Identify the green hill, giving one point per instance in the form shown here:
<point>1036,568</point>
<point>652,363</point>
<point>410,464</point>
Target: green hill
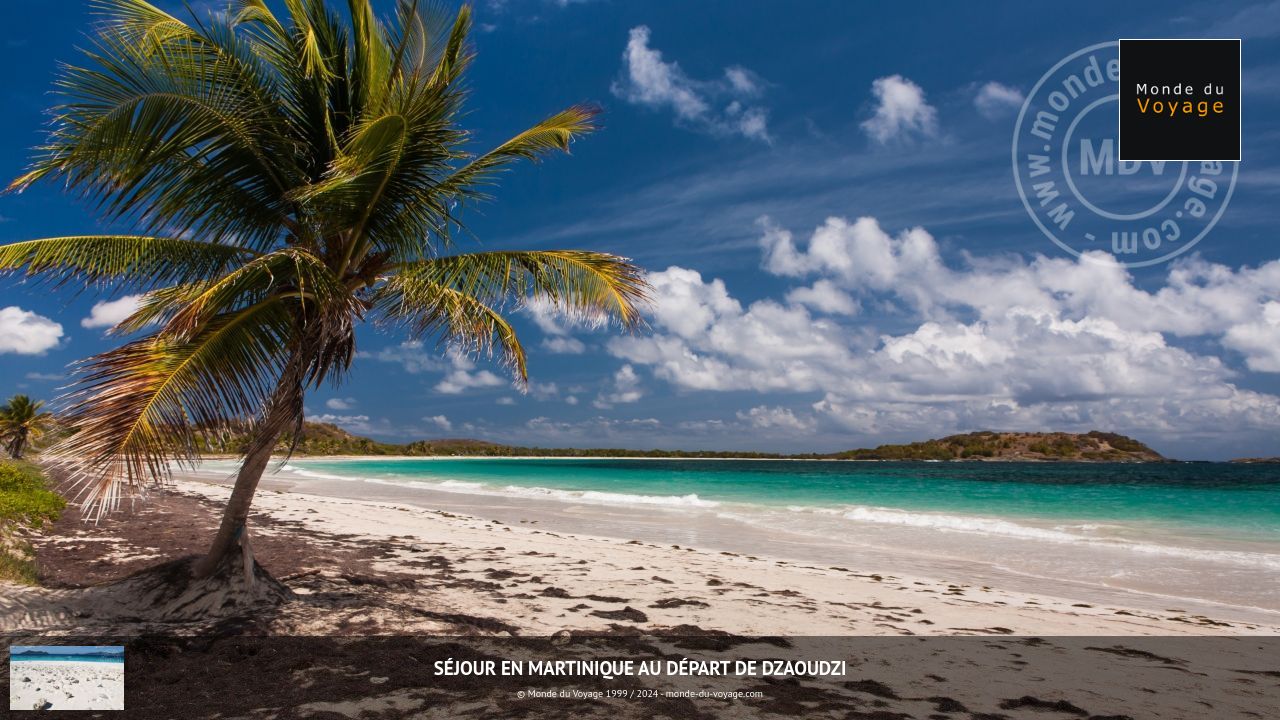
<point>988,445</point>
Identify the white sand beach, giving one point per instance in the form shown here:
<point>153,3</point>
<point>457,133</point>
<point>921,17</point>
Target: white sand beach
<point>364,568</point>
<point>369,565</point>
<point>524,569</point>
<point>66,685</point>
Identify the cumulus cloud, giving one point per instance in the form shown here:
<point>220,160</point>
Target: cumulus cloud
<point>901,111</point>
<point>564,346</point>
<point>597,430</point>
<point>556,324</point>
<point>412,355</point>
<point>995,342</point>
<point>464,376</point>
<point>995,101</point>
<point>460,371</point>
<point>824,296</point>
<point>720,107</point>
<point>1258,339</point>
<point>626,389</point>
<point>352,423</point>
<point>440,421</point>
<point>764,417</point>
<point>340,403</point>
<point>23,332</point>
<point>111,312</point>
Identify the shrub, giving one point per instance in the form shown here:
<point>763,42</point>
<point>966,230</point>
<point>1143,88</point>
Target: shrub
<point>24,499</point>
<point>25,504</point>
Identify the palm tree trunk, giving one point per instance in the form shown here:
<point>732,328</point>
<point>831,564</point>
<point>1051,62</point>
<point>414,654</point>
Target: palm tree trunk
<point>281,412</point>
<point>19,444</point>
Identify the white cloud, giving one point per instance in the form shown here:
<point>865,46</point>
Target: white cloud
<point>464,376</point>
<point>743,81</point>
<point>595,431</point>
<point>411,355</point>
<point>440,421</point>
<point>824,296</point>
<point>110,313</point>
<point>997,342</point>
<point>564,346</point>
<point>46,377</point>
<point>775,418</point>
<point>556,323</point>
<point>995,101</point>
<point>460,372</point>
<point>719,107</point>
<point>506,400</point>
<point>340,403</point>
<point>351,423</point>
<point>25,333</point>
<point>901,111</point>
<point>1258,339</point>
<point>626,389</point>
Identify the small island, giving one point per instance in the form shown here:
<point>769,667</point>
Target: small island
<point>1093,446</point>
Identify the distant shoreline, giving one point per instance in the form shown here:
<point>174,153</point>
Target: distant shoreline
<point>1030,461</point>
<point>328,440</point>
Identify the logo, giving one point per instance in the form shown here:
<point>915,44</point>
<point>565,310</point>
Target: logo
<point>1082,196</point>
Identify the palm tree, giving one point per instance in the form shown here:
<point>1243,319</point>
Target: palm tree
<point>283,180</point>
<point>21,422</point>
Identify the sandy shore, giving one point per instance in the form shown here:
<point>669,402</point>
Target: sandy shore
<point>390,586</point>
<point>524,577</point>
<point>541,580</point>
<point>66,685</point>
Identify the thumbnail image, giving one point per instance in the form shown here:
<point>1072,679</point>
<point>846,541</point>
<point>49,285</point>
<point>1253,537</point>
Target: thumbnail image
<point>66,677</point>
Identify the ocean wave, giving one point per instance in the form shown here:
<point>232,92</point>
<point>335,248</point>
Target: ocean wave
<point>594,497</point>
<point>610,498</point>
<point>1084,533</point>
<point>977,525</point>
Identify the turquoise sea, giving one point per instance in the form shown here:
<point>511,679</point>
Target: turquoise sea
<point>1231,501</point>
<point>1206,531</point>
<point>55,653</point>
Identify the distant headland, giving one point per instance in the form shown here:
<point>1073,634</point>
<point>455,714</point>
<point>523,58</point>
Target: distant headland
<point>321,439</point>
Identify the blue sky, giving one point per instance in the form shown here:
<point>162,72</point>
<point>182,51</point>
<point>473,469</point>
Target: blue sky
<point>824,197</point>
<point>67,649</point>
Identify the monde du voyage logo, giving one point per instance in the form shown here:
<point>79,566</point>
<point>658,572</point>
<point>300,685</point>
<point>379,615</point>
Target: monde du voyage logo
<point>1135,158</point>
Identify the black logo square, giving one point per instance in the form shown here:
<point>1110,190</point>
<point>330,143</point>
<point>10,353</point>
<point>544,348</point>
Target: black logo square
<point>1179,100</point>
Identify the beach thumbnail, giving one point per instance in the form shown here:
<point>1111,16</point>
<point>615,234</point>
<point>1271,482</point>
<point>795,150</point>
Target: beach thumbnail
<point>66,677</point>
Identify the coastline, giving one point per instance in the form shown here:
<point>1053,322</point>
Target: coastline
<point>954,597</point>
<point>301,456</point>
<point>367,560</point>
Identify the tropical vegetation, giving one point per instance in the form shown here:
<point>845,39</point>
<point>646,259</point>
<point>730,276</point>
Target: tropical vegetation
<point>22,422</point>
<point>26,504</point>
<point>284,178</point>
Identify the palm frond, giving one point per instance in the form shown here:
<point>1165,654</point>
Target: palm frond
<point>143,405</point>
<point>555,133</point>
<point>126,261</point>
<point>582,284</point>
<point>289,272</point>
<point>174,129</point>
<point>455,319</point>
<point>460,297</point>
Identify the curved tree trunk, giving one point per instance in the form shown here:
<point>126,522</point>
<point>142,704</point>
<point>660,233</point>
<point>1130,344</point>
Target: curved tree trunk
<point>19,444</point>
<point>282,411</point>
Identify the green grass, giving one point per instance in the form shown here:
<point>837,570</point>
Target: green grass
<point>26,504</point>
